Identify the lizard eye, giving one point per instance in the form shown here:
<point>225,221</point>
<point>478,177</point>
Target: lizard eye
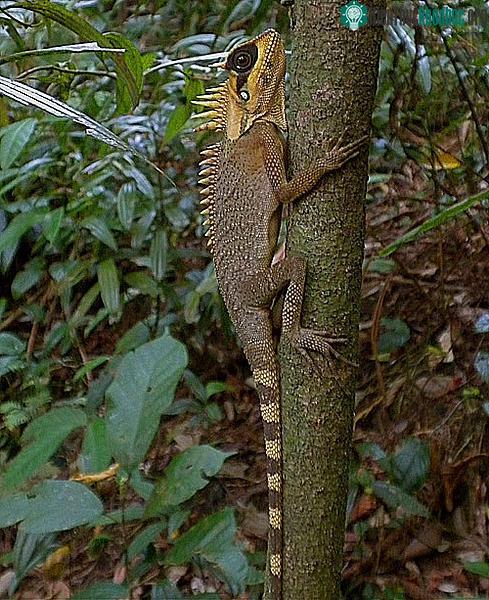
<point>244,95</point>
<point>242,60</point>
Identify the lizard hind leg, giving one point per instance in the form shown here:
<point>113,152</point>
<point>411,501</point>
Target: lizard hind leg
<point>291,272</point>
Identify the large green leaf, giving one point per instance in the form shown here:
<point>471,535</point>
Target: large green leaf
<point>213,539</point>
<point>29,277</point>
<point>185,475</point>
<point>31,550</point>
<point>144,538</point>
<point>60,505</point>
<point>396,334</point>
<point>477,568</point>
<point>128,68</point>
<point>15,138</point>
<point>410,465</point>
<point>108,279</point>
<point>13,508</point>
<point>10,344</point>
<point>394,497</point>
<point>18,226</point>
<point>103,590</point>
<point>98,227</point>
<point>41,439</point>
<point>143,387</point>
<point>95,455</point>
<point>157,254</point>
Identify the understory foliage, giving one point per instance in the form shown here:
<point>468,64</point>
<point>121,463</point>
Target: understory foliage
<point>131,459</point>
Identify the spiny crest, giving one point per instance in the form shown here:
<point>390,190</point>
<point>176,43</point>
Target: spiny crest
<point>215,100</point>
<point>207,179</point>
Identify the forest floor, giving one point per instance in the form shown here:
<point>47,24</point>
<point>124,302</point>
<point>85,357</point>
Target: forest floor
<point>428,389</point>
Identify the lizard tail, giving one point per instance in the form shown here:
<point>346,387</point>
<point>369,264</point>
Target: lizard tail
<point>268,387</point>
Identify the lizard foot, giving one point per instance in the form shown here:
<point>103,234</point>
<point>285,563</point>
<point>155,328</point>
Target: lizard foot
<point>338,155</point>
<point>316,340</point>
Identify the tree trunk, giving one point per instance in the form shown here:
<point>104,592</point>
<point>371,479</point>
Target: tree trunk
<point>333,82</point>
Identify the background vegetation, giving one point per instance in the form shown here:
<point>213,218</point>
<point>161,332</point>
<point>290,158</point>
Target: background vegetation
<point>131,457</point>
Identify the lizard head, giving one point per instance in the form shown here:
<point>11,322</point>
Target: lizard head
<point>255,88</point>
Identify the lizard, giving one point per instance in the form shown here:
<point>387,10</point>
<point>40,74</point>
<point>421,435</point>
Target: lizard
<point>244,188</point>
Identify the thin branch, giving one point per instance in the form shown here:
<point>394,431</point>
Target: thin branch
<point>70,48</point>
<point>189,59</point>
<point>29,72</point>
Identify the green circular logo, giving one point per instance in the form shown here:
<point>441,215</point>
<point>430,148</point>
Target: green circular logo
<point>353,15</point>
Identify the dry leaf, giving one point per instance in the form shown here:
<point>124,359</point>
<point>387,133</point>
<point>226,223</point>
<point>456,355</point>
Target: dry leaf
<point>96,477</point>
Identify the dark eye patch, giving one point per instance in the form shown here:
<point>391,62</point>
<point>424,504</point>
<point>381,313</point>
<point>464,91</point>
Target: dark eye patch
<point>243,59</point>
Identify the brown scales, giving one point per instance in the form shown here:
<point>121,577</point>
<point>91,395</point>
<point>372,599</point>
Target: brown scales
<point>244,189</point>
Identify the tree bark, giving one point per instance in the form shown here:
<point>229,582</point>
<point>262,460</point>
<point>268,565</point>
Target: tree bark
<point>333,82</point>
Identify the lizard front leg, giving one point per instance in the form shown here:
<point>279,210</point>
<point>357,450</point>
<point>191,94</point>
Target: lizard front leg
<point>307,179</point>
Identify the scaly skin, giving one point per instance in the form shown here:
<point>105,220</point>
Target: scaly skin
<point>246,188</point>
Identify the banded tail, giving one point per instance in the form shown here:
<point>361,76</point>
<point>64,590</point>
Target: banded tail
<point>268,387</point>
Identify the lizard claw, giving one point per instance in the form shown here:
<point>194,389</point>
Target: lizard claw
<point>338,154</point>
<point>320,341</point>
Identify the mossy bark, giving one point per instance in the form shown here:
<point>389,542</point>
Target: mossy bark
<point>333,82</point>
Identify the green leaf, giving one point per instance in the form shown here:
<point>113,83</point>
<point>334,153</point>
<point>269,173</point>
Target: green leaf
<point>436,221</point>
<point>52,223</point>
<point>85,304</point>
<point>133,338</point>
<point>116,517</point>
<point>108,279</point>
<point>15,138</point>
<point>142,282</point>
<point>176,520</point>
<point>143,387</point>
<point>98,228</point>
<point>31,550</point>
<point>126,203</point>
<point>166,590</point>
<point>11,345</point>
<point>396,335</point>
<point>176,122</point>
<point>371,449</point>
<point>382,265</point>
<point>125,68</point>
<point>212,539</point>
<point>396,498</point>
<point>186,474</point>
<point>132,58</point>
<point>477,568</point>
<point>95,456</point>
<point>18,226</point>
<point>410,466</point>
<point>27,278</point>
<point>157,254</point>
<point>60,505</point>
<point>41,440</point>
<point>144,539</point>
<point>216,387</point>
<point>90,366</point>
<point>13,508</point>
<point>482,364</point>
<point>103,590</point>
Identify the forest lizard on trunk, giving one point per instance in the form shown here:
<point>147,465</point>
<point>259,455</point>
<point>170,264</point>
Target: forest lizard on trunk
<point>245,188</point>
